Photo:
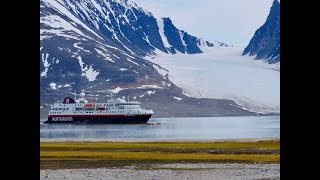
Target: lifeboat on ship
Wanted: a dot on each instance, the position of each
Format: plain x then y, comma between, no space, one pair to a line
89,105
101,108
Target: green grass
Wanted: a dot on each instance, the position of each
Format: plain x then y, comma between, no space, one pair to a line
113,145
93,154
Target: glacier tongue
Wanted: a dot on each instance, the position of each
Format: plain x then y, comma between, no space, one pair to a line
225,74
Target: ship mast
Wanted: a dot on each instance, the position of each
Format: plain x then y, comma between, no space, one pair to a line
111,95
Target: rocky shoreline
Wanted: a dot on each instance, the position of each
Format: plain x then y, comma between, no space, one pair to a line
170,171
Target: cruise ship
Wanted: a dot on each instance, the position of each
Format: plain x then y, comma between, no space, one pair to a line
114,111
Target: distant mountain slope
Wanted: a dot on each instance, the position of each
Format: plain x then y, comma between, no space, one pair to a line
265,44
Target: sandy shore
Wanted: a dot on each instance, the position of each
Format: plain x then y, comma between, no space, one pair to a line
201,171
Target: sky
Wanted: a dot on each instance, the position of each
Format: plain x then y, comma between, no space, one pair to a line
230,21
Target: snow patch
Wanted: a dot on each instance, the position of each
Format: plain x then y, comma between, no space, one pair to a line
63,10
105,55
60,27
46,64
151,92
67,85
186,93
123,69
161,32
76,45
89,72
181,34
132,62
177,98
116,90
45,34
150,86
97,6
53,85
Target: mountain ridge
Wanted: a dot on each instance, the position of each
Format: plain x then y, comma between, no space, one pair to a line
265,44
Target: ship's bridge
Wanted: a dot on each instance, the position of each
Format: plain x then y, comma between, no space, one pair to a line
122,102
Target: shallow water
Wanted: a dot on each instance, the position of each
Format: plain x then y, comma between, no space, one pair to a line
170,128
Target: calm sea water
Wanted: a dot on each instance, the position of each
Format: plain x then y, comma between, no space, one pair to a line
171,128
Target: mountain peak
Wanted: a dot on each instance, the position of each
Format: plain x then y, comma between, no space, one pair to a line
276,2
265,44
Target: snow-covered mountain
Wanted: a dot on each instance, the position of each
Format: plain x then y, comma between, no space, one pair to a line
100,45
100,39
265,44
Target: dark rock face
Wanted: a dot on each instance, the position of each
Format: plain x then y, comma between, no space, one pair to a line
265,43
